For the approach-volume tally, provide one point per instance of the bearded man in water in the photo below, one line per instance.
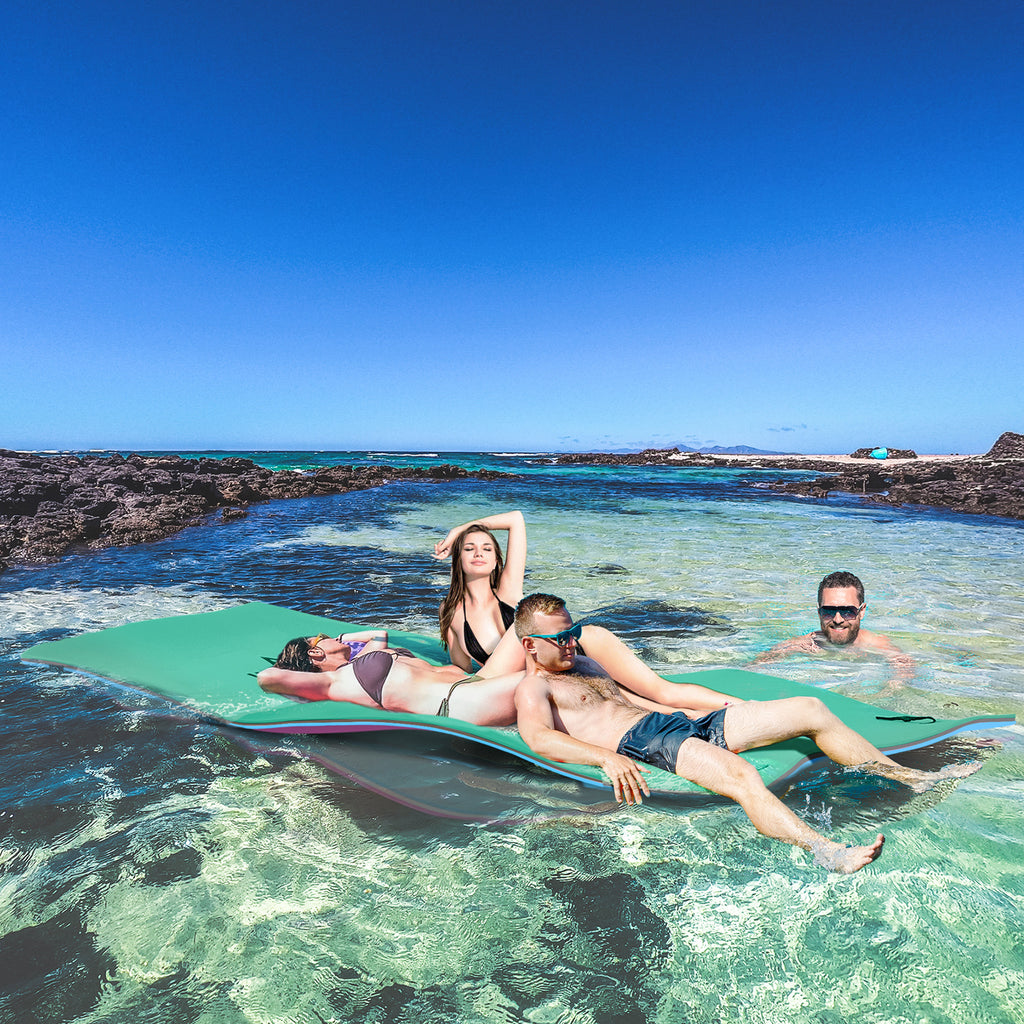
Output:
(841, 607)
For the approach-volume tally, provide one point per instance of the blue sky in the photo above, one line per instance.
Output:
(487, 225)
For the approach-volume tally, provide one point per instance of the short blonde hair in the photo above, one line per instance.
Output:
(535, 604)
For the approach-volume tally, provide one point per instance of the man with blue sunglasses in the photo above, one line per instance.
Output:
(841, 608)
(569, 710)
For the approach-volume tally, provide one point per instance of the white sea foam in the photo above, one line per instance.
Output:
(402, 455)
(342, 537)
(35, 610)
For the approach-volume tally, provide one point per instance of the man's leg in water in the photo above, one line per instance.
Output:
(760, 723)
(728, 774)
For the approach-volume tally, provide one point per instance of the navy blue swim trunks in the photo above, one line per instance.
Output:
(657, 737)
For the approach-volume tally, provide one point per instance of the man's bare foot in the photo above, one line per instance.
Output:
(957, 771)
(985, 742)
(920, 781)
(847, 859)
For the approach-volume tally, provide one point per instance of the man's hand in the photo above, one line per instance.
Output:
(904, 668)
(627, 778)
(806, 644)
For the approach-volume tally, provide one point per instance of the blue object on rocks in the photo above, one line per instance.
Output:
(880, 453)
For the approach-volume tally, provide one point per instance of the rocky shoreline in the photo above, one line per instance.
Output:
(50, 505)
(990, 484)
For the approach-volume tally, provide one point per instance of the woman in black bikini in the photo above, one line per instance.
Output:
(360, 668)
(485, 588)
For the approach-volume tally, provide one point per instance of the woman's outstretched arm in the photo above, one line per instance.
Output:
(374, 639)
(622, 665)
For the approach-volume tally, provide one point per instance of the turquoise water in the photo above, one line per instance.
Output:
(156, 868)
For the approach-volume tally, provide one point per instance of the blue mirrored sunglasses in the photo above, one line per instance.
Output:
(847, 611)
(563, 638)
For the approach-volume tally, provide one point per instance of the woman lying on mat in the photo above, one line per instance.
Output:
(477, 612)
(361, 668)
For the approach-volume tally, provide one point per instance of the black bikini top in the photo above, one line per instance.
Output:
(473, 648)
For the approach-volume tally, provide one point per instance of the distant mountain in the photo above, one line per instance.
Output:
(737, 449)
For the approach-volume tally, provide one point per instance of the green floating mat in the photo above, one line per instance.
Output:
(207, 662)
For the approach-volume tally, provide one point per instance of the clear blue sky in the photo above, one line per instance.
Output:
(506, 225)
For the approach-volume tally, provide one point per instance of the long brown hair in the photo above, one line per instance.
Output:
(457, 588)
(295, 656)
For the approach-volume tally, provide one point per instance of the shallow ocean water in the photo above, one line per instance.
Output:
(156, 868)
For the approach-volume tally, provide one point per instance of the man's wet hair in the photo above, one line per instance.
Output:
(841, 579)
(295, 656)
(535, 604)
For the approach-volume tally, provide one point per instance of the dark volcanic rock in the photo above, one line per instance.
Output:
(50, 504)
(981, 485)
(991, 484)
(648, 457)
(894, 453)
(1009, 446)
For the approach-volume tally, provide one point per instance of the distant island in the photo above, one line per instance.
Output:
(739, 449)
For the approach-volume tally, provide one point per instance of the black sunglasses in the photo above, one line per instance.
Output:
(562, 638)
(848, 611)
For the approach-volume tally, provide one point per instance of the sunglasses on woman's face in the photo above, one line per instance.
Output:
(563, 638)
(316, 640)
(847, 611)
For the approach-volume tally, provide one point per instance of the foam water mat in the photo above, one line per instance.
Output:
(208, 663)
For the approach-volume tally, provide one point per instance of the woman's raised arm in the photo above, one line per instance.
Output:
(512, 521)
